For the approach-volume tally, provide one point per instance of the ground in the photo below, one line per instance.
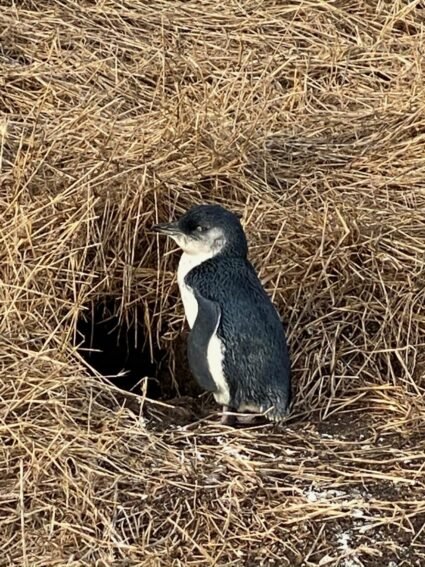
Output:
(307, 118)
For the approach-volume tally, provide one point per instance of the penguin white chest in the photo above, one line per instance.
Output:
(187, 262)
(215, 352)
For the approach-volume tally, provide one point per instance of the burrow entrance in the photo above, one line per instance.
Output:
(118, 350)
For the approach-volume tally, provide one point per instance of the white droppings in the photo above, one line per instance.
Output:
(352, 562)
(229, 450)
(315, 495)
(343, 541)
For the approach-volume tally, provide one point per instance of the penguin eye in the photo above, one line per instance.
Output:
(201, 228)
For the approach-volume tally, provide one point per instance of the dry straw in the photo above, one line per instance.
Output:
(308, 117)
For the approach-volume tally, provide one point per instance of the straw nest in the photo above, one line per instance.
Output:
(308, 118)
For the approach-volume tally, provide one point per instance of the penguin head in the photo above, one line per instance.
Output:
(207, 230)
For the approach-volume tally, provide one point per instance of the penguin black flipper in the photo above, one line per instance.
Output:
(205, 326)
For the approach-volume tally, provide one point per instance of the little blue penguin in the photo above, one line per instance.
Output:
(236, 347)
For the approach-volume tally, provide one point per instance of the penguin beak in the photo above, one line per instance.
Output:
(170, 229)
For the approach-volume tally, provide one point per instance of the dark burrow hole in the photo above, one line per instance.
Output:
(118, 350)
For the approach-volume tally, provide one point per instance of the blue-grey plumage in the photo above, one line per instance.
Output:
(237, 346)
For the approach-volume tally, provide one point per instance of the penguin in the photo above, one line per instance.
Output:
(236, 347)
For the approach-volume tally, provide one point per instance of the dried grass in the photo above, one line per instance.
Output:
(309, 119)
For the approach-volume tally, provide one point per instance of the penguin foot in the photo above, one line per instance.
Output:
(227, 418)
(251, 419)
(231, 418)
